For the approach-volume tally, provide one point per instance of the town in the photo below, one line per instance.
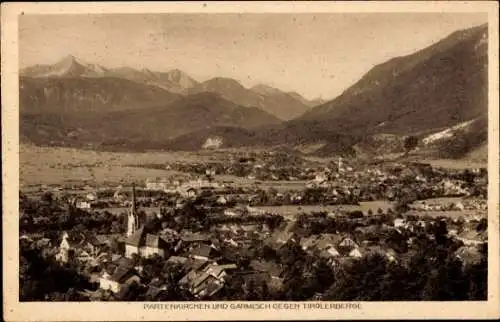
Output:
(260, 226)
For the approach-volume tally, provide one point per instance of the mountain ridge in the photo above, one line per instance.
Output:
(277, 102)
(428, 91)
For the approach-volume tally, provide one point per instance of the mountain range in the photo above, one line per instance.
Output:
(279, 103)
(421, 94)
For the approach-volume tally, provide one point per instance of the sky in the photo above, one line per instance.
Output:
(317, 55)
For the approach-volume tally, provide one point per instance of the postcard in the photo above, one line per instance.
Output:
(250, 160)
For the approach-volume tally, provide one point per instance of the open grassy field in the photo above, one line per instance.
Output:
(456, 164)
(291, 211)
(124, 210)
(453, 214)
(41, 165)
(279, 185)
(54, 165)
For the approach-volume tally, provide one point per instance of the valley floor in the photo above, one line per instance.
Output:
(55, 166)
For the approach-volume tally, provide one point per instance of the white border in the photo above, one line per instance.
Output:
(15, 311)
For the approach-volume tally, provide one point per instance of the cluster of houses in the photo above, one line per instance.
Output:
(207, 259)
(458, 205)
(190, 188)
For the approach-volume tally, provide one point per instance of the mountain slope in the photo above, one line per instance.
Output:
(309, 103)
(69, 66)
(175, 81)
(149, 127)
(283, 105)
(271, 100)
(436, 87)
(84, 94)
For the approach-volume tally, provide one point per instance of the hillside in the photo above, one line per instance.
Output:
(283, 105)
(271, 100)
(309, 103)
(436, 87)
(136, 129)
(175, 81)
(437, 92)
(83, 94)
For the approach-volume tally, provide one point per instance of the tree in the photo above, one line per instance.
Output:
(47, 197)
(410, 143)
(482, 225)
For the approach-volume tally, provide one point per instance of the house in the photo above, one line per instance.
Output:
(91, 196)
(155, 291)
(233, 212)
(329, 254)
(83, 204)
(348, 242)
(320, 242)
(190, 192)
(308, 242)
(204, 252)
(123, 275)
(280, 238)
(177, 260)
(399, 222)
(355, 253)
(274, 270)
(190, 240)
(222, 200)
(157, 185)
(205, 280)
(145, 244)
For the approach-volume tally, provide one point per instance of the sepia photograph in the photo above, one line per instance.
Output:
(315, 159)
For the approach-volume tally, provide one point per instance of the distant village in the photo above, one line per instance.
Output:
(344, 231)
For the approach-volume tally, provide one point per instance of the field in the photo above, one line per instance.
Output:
(278, 184)
(293, 211)
(121, 210)
(53, 165)
(58, 166)
(456, 164)
(41, 165)
(454, 214)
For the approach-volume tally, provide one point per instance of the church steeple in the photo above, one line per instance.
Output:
(133, 198)
(133, 220)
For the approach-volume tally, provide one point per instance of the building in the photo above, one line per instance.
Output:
(133, 220)
(65, 250)
(205, 280)
(145, 244)
(138, 240)
(83, 204)
(123, 275)
(204, 252)
(157, 185)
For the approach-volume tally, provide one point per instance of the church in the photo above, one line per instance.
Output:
(139, 241)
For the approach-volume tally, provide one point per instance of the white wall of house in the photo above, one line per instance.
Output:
(355, 253)
(200, 257)
(150, 251)
(130, 250)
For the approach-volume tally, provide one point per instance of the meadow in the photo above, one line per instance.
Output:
(49, 165)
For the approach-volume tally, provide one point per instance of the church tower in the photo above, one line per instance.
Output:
(64, 249)
(133, 220)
